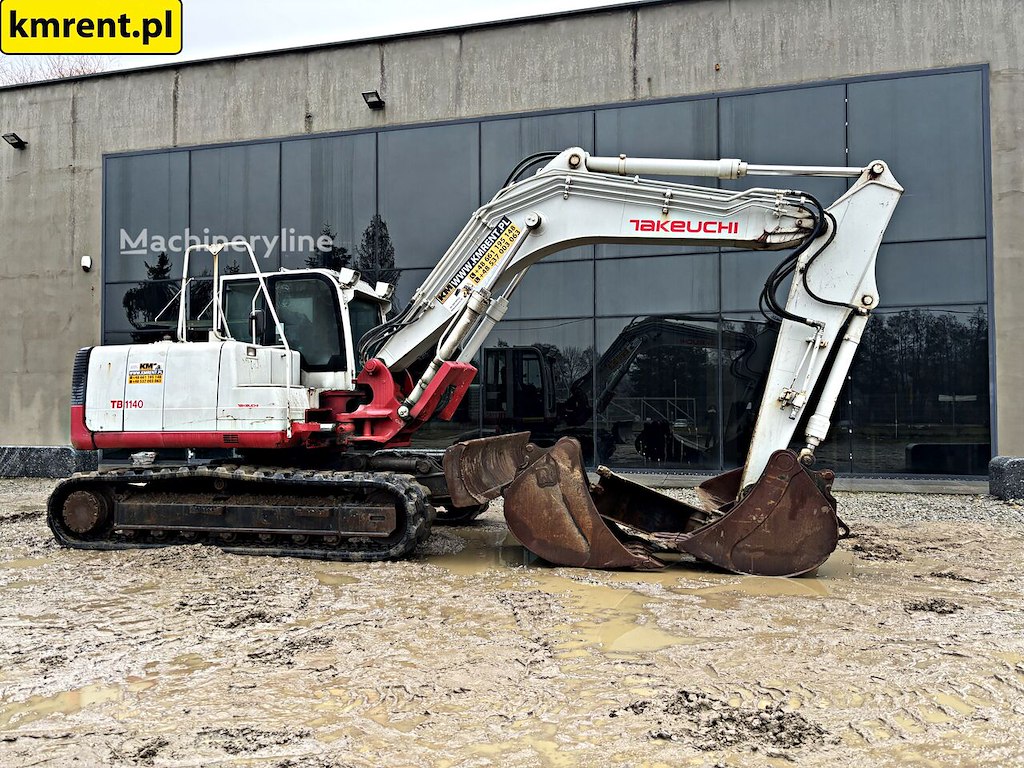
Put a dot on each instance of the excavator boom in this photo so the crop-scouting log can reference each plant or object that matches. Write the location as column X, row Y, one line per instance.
column 775, row 515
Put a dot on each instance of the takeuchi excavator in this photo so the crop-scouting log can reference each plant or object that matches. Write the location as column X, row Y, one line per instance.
column 319, row 393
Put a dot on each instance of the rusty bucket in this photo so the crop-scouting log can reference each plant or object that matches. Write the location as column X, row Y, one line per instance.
column 785, row 524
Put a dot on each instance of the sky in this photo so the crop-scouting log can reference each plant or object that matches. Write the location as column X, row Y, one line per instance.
column 219, row 27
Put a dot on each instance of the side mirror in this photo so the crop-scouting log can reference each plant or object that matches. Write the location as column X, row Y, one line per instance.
column 257, row 325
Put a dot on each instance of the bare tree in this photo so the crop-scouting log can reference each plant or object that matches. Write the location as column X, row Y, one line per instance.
column 30, row 69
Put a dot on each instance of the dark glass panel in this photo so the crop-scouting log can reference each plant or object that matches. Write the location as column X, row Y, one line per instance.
column 329, row 191
column 743, row 277
column 954, row 271
column 930, row 130
column 686, row 129
column 429, row 182
column 921, row 392
column 503, row 143
column 534, row 374
column 236, row 192
column 556, row 289
column 144, row 311
column 145, row 215
column 658, row 284
column 801, row 126
column 657, row 392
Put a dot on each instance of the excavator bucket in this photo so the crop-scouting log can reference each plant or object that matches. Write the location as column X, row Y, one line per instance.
column 478, row 470
column 784, row 525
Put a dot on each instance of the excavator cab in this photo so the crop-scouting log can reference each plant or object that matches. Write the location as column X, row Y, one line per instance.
column 323, row 314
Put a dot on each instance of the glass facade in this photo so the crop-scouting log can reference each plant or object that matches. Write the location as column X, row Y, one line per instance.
column 652, row 356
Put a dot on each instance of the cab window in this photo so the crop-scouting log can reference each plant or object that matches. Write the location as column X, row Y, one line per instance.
column 364, row 315
column 308, row 309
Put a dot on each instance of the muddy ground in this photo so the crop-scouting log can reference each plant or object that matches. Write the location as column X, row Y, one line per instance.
column 907, row 649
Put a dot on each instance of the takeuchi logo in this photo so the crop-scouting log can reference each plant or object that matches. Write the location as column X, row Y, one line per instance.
column 682, row 226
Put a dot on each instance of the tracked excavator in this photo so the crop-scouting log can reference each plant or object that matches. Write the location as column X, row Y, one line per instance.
column 319, row 393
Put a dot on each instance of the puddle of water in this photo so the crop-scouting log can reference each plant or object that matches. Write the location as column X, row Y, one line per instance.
column 483, row 551
column 934, row 715
column 725, row 596
column 616, row 619
column 20, row 584
column 615, row 616
column 22, row 563
column 839, row 565
column 329, row 579
column 184, row 664
column 67, row 703
column 954, row 703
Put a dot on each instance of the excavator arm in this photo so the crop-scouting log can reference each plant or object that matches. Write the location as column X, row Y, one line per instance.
column 774, row 516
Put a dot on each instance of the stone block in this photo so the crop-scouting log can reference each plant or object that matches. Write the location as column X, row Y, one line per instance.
column 44, row 461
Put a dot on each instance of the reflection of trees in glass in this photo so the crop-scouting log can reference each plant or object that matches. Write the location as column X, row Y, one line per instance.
column 143, row 302
column 568, row 365
column 374, row 258
column 918, row 365
column 336, row 258
column 376, row 253
column 149, row 297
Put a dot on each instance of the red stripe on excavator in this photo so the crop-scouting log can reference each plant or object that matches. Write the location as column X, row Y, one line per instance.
column 84, row 439
column 81, row 437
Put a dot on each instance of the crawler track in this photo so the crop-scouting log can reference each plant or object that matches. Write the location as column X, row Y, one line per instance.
column 252, row 510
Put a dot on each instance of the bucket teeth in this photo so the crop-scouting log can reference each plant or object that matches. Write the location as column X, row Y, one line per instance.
column 784, row 525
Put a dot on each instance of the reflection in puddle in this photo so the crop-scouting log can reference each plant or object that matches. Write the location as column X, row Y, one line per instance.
column 486, row 548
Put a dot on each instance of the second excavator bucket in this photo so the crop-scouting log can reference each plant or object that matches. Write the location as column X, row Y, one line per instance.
column 785, row 524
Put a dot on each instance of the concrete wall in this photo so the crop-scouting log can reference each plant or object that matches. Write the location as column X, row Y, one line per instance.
column 50, row 206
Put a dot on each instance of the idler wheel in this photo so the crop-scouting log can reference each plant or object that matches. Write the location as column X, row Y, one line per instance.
column 85, row 512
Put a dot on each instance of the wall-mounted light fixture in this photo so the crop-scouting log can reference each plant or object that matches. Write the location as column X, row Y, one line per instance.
column 15, row 140
column 373, row 100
